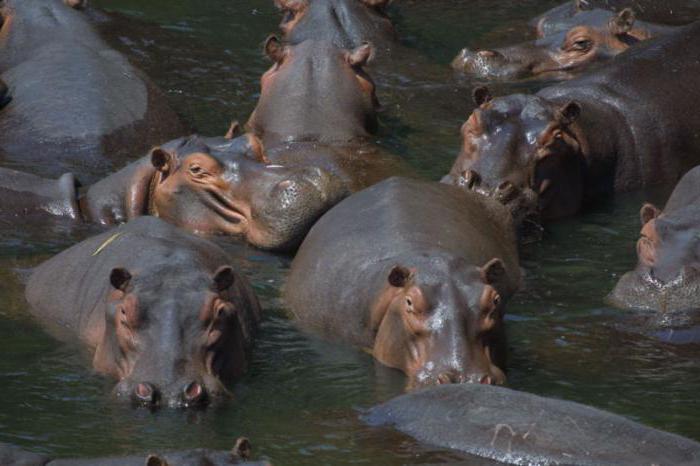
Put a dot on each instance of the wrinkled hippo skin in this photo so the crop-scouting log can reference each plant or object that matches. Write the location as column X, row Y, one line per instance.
column 617, row 129
column 318, row 108
column 667, row 276
column 147, row 296
column 587, row 39
column 417, row 273
column 520, row 428
column 98, row 111
column 207, row 185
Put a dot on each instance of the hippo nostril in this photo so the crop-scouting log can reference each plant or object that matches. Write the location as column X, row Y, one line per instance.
column 145, row 393
column 506, row 192
column 469, row 178
column 194, row 393
column 487, row 53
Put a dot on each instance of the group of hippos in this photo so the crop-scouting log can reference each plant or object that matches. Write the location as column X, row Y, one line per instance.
column 416, row 272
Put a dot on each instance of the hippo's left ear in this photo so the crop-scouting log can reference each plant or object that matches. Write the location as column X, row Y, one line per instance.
column 162, row 160
column 569, row 113
column 155, row 460
column 481, row 95
column 648, row 212
column 274, row 48
column 622, row 22
column 493, row 272
column 291, row 5
column 379, row 4
column 233, row 131
column 76, row 4
column 242, row 448
column 361, row 55
column 223, row 279
column 119, row 278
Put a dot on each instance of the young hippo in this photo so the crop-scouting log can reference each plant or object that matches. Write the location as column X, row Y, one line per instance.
column 163, row 311
column 318, row 108
column 416, row 272
column 617, row 129
column 214, row 186
column 667, row 276
column 98, row 109
column 587, row 39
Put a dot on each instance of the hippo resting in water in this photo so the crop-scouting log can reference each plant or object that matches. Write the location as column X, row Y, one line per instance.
column 164, row 311
column 98, row 109
column 11, row 455
column 520, row 428
column 667, row 276
column 211, row 185
column 416, row 272
column 318, row 108
column 586, row 39
column 629, row 125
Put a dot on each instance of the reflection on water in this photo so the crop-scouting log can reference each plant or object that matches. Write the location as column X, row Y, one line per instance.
column 299, row 402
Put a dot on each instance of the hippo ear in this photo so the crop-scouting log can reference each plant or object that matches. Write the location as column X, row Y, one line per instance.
column 233, row 131
column 256, row 148
column 481, row 95
column 399, row 276
column 493, row 272
column 155, row 460
column 622, row 22
column 162, row 159
column 569, row 113
column 274, row 49
column 379, row 4
column 579, row 4
column 242, row 448
column 648, row 213
column 76, row 4
column 361, row 55
column 119, row 278
column 223, row 279
column 291, row 5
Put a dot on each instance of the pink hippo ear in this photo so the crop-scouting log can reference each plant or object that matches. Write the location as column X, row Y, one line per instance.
column 223, row 279
column 361, row 55
column 162, row 160
column 622, row 22
column 76, row 4
column 493, row 272
column 155, row 460
column 233, row 131
column 376, row 3
column 569, row 113
column 274, row 49
column 242, row 448
column 291, row 5
column 399, row 276
column 648, row 212
column 119, row 278
column 481, row 95
column 257, row 149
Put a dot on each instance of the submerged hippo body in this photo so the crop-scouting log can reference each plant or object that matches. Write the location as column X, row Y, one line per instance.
column 588, row 38
column 418, row 273
column 667, row 276
column 621, row 128
column 214, row 186
column 520, row 428
column 318, row 108
column 163, row 310
column 98, row 109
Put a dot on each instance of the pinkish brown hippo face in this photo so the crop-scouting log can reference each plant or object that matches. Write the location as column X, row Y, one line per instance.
column 442, row 322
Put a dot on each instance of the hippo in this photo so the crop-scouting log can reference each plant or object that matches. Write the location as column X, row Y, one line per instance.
column 667, row 276
column 97, row 112
column 588, row 38
column 163, row 311
column 318, row 108
column 4, row 94
column 11, row 455
column 417, row 273
column 214, row 186
column 520, row 428
column 617, row 129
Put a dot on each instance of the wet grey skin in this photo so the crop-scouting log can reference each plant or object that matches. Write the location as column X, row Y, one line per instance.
column 162, row 311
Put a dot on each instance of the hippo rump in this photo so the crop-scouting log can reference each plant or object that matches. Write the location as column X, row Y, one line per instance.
column 317, row 108
column 207, row 185
column 667, row 276
column 164, row 311
column 520, row 428
column 98, row 110
column 624, row 127
column 586, row 39
column 416, row 272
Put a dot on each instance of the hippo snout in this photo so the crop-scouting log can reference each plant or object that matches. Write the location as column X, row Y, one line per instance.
column 179, row 394
column 494, row 376
column 480, row 62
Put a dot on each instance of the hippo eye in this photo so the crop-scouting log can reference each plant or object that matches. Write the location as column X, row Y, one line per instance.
column 197, row 171
column 497, row 300
column 582, row 45
column 409, row 303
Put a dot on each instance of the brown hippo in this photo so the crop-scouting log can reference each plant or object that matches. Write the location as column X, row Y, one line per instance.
column 206, row 185
column 164, row 311
column 98, row 109
column 520, row 428
column 318, row 108
column 667, row 276
column 617, row 129
column 416, row 272
column 588, row 38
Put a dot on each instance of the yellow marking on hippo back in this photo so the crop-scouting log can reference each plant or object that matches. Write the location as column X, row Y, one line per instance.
column 106, row 243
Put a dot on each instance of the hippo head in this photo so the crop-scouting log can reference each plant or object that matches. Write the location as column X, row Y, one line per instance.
column 441, row 321
column 175, row 342
column 667, row 276
column 346, row 23
column 227, row 187
column 525, row 151
column 593, row 36
column 315, row 91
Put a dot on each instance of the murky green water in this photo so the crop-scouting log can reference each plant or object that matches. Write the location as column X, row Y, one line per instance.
column 298, row 404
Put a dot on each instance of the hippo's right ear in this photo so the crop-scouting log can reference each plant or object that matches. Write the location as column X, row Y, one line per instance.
column 155, row 460
column 622, row 22
column 256, row 149
column 481, row 95
column 223, row 279
column 569, row 113
column 119, row 278
column 399, row 276
column 291, row 5
column 233, row 131
column 361, row 55
column 242, row 448
column 493, row 272
column 76, row 4
column 274, row 49
column 162, row 160
column 648, row 212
